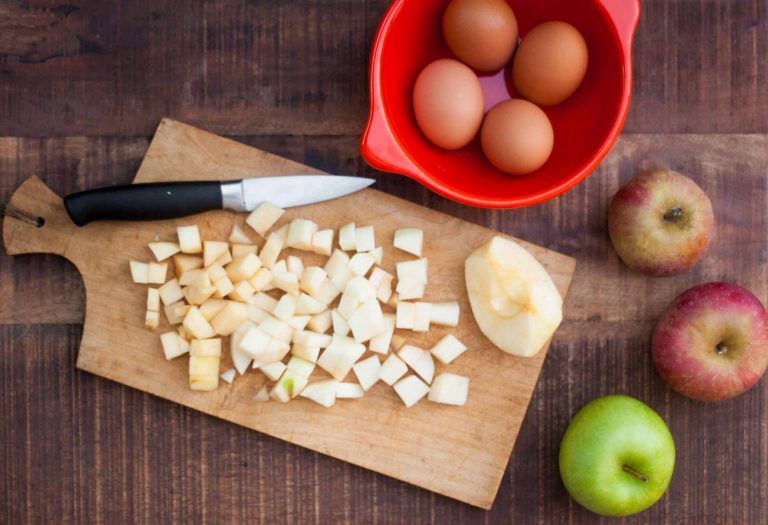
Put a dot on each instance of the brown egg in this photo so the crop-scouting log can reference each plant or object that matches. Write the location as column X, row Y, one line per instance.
column 517, row 137
column 448, row 103
column 481, row 33
column 550, row 63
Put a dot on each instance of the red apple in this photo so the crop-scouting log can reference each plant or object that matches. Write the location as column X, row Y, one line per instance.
column 712, row 342
column 660, row 223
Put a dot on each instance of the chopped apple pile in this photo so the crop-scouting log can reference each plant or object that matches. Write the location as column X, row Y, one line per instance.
column 294, row 319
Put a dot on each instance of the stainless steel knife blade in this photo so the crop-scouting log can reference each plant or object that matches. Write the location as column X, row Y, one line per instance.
column 289, row 191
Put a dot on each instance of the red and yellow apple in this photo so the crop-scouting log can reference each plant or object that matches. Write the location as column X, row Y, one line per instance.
column 660, row 223
column 712, row 342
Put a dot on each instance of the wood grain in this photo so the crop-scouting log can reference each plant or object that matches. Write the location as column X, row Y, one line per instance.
column 76, row 448
column 92, row 67
column 458, row 453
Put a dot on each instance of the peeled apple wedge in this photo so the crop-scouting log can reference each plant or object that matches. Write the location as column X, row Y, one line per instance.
column 513, row 299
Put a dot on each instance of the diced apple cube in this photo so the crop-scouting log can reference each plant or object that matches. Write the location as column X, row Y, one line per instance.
column 264, row 217
column 448, row 349
column 226, row 321
column 241, row 250
column 223, row 286
column 358, row 291
column 206, row 348
column 392, row 370
column 139, row 272
column 285, row 308
column 213, row 251
column 189, row 240
column 422, row 317
column 340, row 325
column 280, row 266
column 273, row 371
column 244, row 268
column 263, row 301
column 152, row 320
column 411, row 390
column 238, row 236
column 446, row 314
column 163, row 250
column 242, row 292
column 312, row 279
column 382, row 282
column 360, row 263
column 278, row 329
column 309, row 338
column 197, row 296
column 254, row 342
column 169, row 293
column 295, row 266
column 393, row 300
column 288, row 386
column 377, row 254
column 301, row 366
column 349, row 391
column 204, row 383
column 347, row 238
column 409, row 240
column 406, row 315
column 340, row 355
column 409, row 290
column 367, row 371
column 263, row 393
column 183, row 263
column 197, row 325
column 308, row 305
column 240, row 359
column 286, row 281
column 342, row 278
column 215, row 272
column 449, row 389
column 364, row 239
column 274, row 245
column 256, row 314
column 153, row 300
column 322, row 392
column 224, row 259
column 322, row 242
column 310, row 353
column 320, row 322
column 173, row 345
column 300, row 233
column 336, row 262
column 261, row 279
column 228, row 375
column 367, row 321
column 420, row 360
column 380, row 343
column 327, row 293
column 299, row 322
column 412, row 272
column 176, row 312
column 211, row 307
column 197, row 277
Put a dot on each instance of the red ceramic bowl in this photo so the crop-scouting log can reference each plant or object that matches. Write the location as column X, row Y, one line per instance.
column 586, row 125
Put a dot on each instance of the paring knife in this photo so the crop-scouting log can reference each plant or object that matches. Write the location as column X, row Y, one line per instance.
column 172, row 200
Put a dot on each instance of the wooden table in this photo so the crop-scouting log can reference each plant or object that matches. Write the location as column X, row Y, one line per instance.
column 83, row 85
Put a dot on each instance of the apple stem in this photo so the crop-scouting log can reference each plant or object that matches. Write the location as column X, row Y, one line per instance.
column 633, row 472
column 674, row 214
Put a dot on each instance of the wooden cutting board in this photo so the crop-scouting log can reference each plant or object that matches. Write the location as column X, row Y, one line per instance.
column 460, row 452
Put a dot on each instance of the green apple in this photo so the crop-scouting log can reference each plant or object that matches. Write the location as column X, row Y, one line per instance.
column 617, row 456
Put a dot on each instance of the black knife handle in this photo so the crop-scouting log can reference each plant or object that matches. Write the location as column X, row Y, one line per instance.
column 144, row 202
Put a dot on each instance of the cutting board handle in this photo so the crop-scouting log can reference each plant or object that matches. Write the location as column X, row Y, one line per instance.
column 19, row 237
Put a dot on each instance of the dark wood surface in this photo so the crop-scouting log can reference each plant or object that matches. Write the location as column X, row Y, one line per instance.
column 84, row 83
